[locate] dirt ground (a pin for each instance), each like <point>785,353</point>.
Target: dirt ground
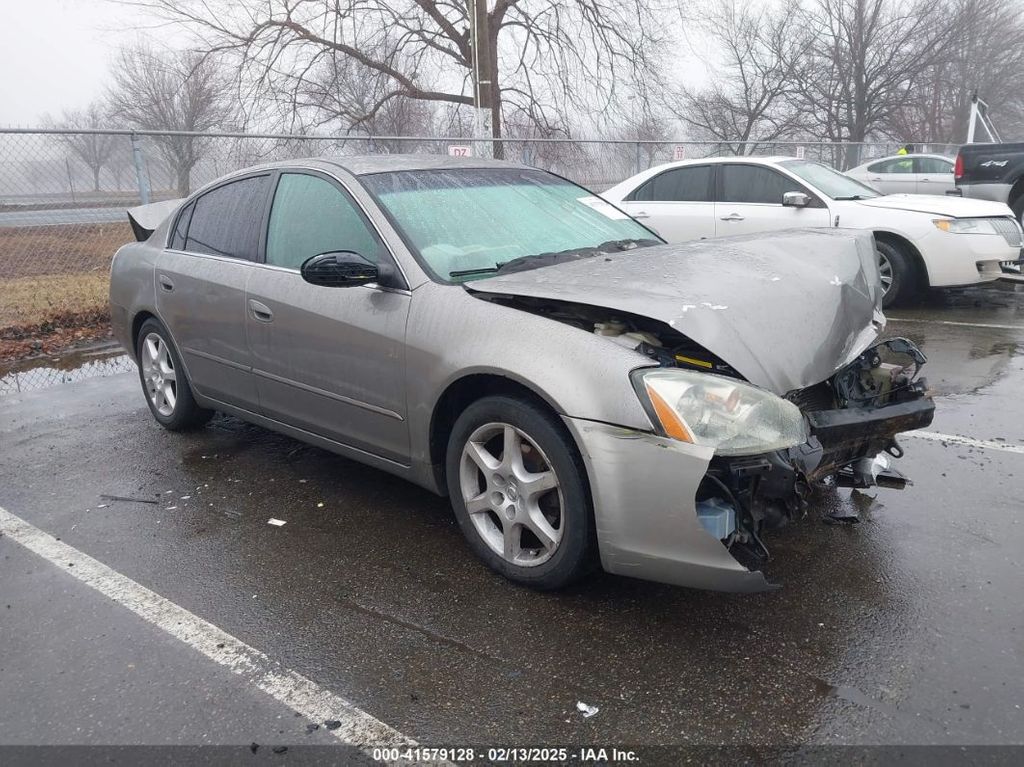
<point>54,284</point>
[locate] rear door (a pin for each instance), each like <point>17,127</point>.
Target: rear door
<point>200,287</point>
<point>328,360</point>
<point>750,200</point>
<point>677,203</point>
<point>934,175</point>
<point>894,176</point>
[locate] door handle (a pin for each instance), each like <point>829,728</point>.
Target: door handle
<point>925,180</point>
<point>165,283</point>
<point>260,311</point>
<point>732,217</point>
<point>641,214</point>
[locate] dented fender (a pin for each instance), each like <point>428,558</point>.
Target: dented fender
<point>643,488</point>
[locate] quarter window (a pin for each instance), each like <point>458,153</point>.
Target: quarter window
<point>181,228</point>
<point>690,184</point>
<point>226,220</point>
<point>311,216</point>
<point>754,183</point>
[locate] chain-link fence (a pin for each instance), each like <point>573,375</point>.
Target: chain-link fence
<point>63,195</point>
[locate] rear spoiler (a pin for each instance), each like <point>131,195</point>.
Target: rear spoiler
<point>145,219</point>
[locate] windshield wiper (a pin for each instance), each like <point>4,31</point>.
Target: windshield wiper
<point>478,270</point>
<point>545,259</point>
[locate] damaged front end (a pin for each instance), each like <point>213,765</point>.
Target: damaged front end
<point>853,420</point>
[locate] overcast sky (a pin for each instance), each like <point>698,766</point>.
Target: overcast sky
<point>54,54</point>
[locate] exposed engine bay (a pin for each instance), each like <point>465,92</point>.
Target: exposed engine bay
<point>853,420</point>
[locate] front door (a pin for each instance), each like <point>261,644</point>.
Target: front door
<point>750,201</point>
<point>328,360</point>
<point>934,175</point>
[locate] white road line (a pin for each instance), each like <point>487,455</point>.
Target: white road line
<point>957,324</point>
<point>956,439</point>
<point>289,687</point>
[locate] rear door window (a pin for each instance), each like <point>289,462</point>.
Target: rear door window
<point>690,184</point>
<point>226,220</point>
<point>755,183</point>
<point>932,165</point>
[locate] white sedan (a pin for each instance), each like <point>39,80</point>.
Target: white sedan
<point>907,174</point>
<point>922,240</point>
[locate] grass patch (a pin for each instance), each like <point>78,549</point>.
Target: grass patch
<point>33,301</point>
<point>28,251</point>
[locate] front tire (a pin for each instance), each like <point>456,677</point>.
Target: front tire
<point>900,279</point>
<point>164,382</point>
<point>519,492</point>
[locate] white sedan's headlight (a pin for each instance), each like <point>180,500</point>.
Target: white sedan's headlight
<point>733,417</point>
<point>965,225</point>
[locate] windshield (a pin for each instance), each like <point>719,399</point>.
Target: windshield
<point>828,181</point>
<point>479,219</point>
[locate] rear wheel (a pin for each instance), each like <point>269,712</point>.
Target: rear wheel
<point>164,383</point>
<point>519,492</point>
<point>900,279</point>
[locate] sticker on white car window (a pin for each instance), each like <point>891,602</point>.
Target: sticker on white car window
<point>601,206</point>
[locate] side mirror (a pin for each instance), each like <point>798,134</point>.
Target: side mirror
<point>340,269</point>
<point>795,200</point>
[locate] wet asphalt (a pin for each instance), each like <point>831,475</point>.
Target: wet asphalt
<point>906,628</point>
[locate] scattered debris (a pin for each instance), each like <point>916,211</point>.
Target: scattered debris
<point>276,522</point>
<point>254,747</point>
<point>312,727</point>
<point>332,724</point>
<point>585,709</point>
<point>279,749</point>
<point>127,499</point>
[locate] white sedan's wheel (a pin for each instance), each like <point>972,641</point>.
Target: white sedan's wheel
<point>512,494</point>
<point>884,270</point>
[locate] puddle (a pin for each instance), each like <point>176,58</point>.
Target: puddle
<point>44,372</point>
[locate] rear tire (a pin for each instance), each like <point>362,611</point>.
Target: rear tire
<point>164,382</point>
<point>900,278</point>
<point>519,492</point>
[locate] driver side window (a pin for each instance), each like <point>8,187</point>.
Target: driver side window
<point>311,216</point>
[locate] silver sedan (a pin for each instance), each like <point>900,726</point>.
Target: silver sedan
<point>585,394</point>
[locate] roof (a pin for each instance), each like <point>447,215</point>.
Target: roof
<point>362,165</point>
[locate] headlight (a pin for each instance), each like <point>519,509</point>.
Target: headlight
<point>965,225</point>
<point>730,416</point>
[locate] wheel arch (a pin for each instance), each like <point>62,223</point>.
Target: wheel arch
<point>467,389</point>
<point>899,241</point>
<point>137,322</point>
<point>1016,195</point>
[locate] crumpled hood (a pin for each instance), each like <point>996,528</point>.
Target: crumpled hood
<point>786,310</point>
<point>938,205</point>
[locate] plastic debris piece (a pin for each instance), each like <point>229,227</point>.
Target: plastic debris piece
<point>585,709</point>
<point>320,505</point>
<point>332,724</point>
<point>276,522</point>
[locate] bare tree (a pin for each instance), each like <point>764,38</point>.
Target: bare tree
<point>93,149</point>
<point>340,94</point>
<point>864,60</point>
<point>538,59</point>
<point>751,96</point>
<point>175,91</point>
<point>985,56</point>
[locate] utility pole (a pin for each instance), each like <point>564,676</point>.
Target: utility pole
<point>483,77</point>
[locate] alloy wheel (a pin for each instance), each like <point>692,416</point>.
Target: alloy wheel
<point>158,374</point>
<point>884,270</point>
<point>512,494</point>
